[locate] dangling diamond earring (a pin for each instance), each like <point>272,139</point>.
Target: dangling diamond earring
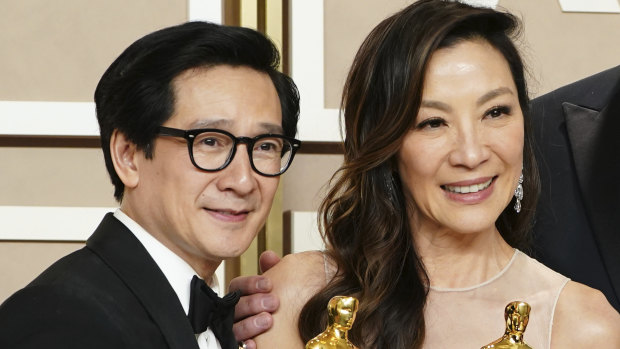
<point>519,194</point>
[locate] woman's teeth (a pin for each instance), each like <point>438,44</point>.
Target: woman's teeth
<point>468,188</point>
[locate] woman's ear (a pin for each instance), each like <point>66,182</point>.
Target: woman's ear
<point>124,155</point>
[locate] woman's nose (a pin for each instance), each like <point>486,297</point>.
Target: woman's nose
<point>469,148</point>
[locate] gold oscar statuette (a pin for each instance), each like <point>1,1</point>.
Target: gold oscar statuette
<point>517,315</point>
<point>341,311</point>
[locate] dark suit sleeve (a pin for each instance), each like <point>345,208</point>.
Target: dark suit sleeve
<point>56,317</point>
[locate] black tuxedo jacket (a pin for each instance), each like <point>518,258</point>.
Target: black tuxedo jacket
<point>110,294</point>
<point>577,229</point>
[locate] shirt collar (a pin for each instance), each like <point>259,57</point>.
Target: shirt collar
<point>176,270</point>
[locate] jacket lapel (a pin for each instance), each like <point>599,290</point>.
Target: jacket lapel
<point>583,126</point>
<point>595,145</point>
<point>120,249</point>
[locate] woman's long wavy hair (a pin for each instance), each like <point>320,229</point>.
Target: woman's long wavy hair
<point>365,216</point>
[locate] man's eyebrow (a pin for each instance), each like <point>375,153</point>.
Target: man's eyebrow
<point>212,123</point>
<point>265,127</point>
<point>492,94</point>
<point>272,128</point>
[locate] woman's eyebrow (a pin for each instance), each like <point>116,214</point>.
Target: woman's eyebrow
<point>436,105</point>
<point>492,94</point>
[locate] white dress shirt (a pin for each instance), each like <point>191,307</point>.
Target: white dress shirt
<point>176,270</point>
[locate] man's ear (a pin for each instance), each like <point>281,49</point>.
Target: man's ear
<point>124,157</point>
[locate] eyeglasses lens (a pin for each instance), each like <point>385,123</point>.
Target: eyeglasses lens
<point>270,155</point>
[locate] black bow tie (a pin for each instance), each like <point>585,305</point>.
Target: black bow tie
<point>206,309</point>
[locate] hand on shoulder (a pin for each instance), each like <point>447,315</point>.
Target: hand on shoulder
<point>296,278</point>
<point>584,319</point>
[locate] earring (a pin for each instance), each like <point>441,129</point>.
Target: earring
<point>519,194</point>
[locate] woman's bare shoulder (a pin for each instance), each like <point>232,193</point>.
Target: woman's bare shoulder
<point>298,269</point>
<point>584,319</point>
<point>296,278</point>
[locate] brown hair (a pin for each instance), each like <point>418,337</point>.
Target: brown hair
<point>365,217</point>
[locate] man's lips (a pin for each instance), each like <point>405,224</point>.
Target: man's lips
<point>227,211</point>
<point>227,215</point>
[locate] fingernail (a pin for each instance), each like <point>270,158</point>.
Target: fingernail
<point>262,322</point>
<point>268,303</point>
<point>263,284</point>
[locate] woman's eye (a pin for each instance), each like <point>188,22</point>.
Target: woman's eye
<point>431,123</point>
<point>498,111</point>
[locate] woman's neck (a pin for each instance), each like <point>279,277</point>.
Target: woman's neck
<point>458,260</point>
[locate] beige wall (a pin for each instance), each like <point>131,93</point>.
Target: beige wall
<point>305,183</point>
<point>58,51</point>
<point>54,177</point>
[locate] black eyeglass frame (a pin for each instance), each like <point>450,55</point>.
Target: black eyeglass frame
<point>190,135</point>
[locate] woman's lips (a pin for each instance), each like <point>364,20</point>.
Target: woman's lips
<point>473,188</point>
<point>470,192</point>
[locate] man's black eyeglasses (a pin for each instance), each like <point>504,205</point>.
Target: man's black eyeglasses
<point>212,149</point>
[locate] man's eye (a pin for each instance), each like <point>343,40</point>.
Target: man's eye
<point>209,142</point>
<point>267,147</point>
<point>212,141</point>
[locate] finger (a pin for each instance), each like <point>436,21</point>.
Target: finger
<point>267,260</point>
<point>256,304</point>
<point>250,284</point>
<point>250,344</point>
<point>252,326</point>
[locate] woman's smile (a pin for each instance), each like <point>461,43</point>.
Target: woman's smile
<point>468,188</point>
<point>470,193</point>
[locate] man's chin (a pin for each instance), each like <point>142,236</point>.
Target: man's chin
<point>233,251</point>
<point>229,243</point>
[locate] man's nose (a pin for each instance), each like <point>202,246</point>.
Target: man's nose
<point>238,176</point>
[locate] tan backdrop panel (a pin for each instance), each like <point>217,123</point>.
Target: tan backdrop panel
<point>305,183</point>
<point>558,47</point>
<point>347,23</point>
<point>54,177</point>
<point>58,50</point>
<point>23,261</point>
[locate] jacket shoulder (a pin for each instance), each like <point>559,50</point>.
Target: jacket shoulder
<point>78,302</point>
<point>55,316</point>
